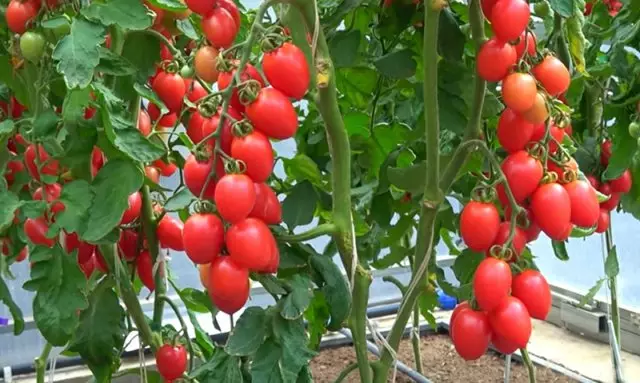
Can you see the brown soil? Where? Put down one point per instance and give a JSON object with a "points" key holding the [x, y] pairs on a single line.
{"points": [[441, 365]]}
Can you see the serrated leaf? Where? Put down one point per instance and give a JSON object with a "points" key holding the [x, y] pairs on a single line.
{"points": [[55, 22], [143, 51], [398, 64], [395, 256], [266, 363], [344, 46], [577, 41], [33, 209], [202, 338], [221, 368], [300, 204], [7, 128], [428, 301], [301, 168], [179, 200], [564, 8], [45, 124], [248, 334], [186, 27], [588, 297], [75, 101], [291, 335], [170, 5], [622, 151], [611, 265], [560, 250], [9, 202], [335, 289], [195, 300], [126, 14], [451, 40], [113, 64], [465, 265], [14, 309], [293, 305]]}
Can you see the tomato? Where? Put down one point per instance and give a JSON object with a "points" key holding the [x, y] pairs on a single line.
{"points": [[287, 70], [13, 168], [219, 28], [144, 266], [165, 53], [553, 75], [247, 242], [19, 14], [16, 107], [210, 125], [170, 233], [634, 129], [52, 194], [495, 59], [128, 244], [511, 321], [97, 159], [502, 345], [205, 63], [32, 46], [274, 262], [519, 239], [171, 361], [479, 224], [133, 211], [558, 134], [464, 305], [585, 208], [201, 7], [228, 285], [93, 263], [195, 177], [267, 207], [235, 197], [539, 131], [593, 181], [203, 271], [523, 174], [603, 221], [195, 91], [519, 90], [533, 231], [487, 7], [152, 174], [538, 113], [528, 39], [273, 114], [144, 123], [36, 230], [232, 8], [194, 127], [472, 334], [166, 169], [534, 292], [551, 205], [256, 152], [85, 250], [203, 237], [47, 166], [167, 120], [224, 80], [622, 184], [509, 18], [491, 283], [605, 152], [514, 132], [171, 90], [614, 198], [560, 170]]}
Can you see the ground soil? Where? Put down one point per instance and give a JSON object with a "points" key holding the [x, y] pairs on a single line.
{"points": [[441, 365]]}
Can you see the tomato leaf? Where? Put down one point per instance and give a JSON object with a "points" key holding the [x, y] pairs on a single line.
{"points": [[77, 54], [588, 297], [248, 334], [150, 95], [202, 337], [113, 64], [624, 147], [45, 124], [335, 289], [9, 202], [179, 200], [465, 265], [186, 27], [344, 46], [581, 232], [611, 265], [451, 40], [123, 13], [290, 334], [170, 5], [74, 103], [293, 305], [398, 64], [577, 41], [564, 8], [101, 333], [77, 197], [299, 206], [33, 209], [428, 301], [14, 309], [266, 366], [560, 250], [221, 368], [302, 168], [7, 128]]}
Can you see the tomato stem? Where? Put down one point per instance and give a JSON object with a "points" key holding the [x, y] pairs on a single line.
{"points": [[318, 231], [40, 363], [530, 367], [149, 226], [175, 309], [163, 39]]}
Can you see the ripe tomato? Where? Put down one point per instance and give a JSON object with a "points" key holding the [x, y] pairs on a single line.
{"points": [[560, 170], [152, 174], [204, 271], [13, 168], [32, 46], [93, 263], [593, 181], [533, 231], [528, 39], [585, 208], [553, 75], [605, 152], [472, 334], [16, 107], [36, 230], [539, 112], [224, 80], [456, 311], [195, 177], [273, 114], [210, 125], [487, 7], [171, 361], [533, 290], [509, 18], [274, 261], [248, 244], [502, 345], [232, 8], [551, 206], [144, 123], [523, 174], [256, 152], [614, 198], [205, 63], [201, 7], [195, 91], [479, 224], [287, 70], [514, 132], [167, 120], [235, 197], [491, 283], [166, 169], [604, 219], [228, 285], [51, 194], [128, 244], [220, 28], [203, 236], [19, 14], [171, 90], [511, 321], [194, 127], [48, 166], [85, 250], [622, 184], [170, 233], [144, 266], [495, 59], [267, 207], [517, 245], [133, 211], [558, 134], [519, 90]]}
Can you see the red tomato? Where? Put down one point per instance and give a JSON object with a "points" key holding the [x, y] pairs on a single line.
{"points": [[459, 307], [560, 170], [220, 28], [195, 177], [85, 250], [13, 167], [171, 90], [152, 174], [210, 125], [593, 181], [495, 59], [144, 266], [47, 166], [267, 207], [19, 14], [614, 198], [194, 127], [287, 70], [558, 134], [235, 197], [232, 8], [203, 270], [551, 205], [144, 123], [538, 132], [248, 244], [487, 7], [523, 174], [195, 91], [514, 132], [533, 231], [519, 239], [167, 120], [519, 90], [228, 285], [585, 208], [133, 211], [166, 169], [171, 361], [533, 290], [274, 262], [201, 7], [605, 152], [479, 224], [491, 283], [128, 244], [553, 75], [528, 39], [52, 194], [502, 345], [36, 230], [511, 321], [16, 107], [473, 334], [509, 18], [603, 221], [256, 152], [273, 114], [203, 236], [224, 80], [170, 233], [93, 263], [622, 184]]}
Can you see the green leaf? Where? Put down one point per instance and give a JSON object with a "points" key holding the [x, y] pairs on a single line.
{"points": [[195, 300], [411, 178], [33, 209], [248, 334], [77, 197], [202, 338], [465, 265], [564, 8], [428, 301], [357, 124], [147, 93], [74, 103], [9, 203], [299, 206], [291, 335], [112, 186], [395, 256], [123, 13], [100, 336], [179, 200], [113, 64], [398, 64], [624, 147], [77, 54], [170, 5], [577, 41], [588, 297], [45, 124], [611, 265], [293, 305], [344, 48], [581, 232], [335, 289], [186, 27], [451, 40], [302, 168], [266, 366], [7, 128], [14, 309], [221, 368], [560, 250]]}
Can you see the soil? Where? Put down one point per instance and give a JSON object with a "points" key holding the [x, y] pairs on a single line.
{"points": [[441, 365]]}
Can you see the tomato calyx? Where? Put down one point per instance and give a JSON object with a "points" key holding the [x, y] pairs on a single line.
{"points": [[204, 207], [241, 128], [209, 107], [273, 41], [248, 91]]}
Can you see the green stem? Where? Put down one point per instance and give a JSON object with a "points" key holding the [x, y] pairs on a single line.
{"points": [[162, 39], [415, 339], [149, 225], [561, 44], [529, 364], [41, 363], [184, 327], [344, 373], [613, 289], [318, 231]]}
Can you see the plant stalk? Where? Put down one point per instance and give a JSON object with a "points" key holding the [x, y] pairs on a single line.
{"points": [[318, 231], [41, 363], [415, 339], [149, 226], [184, 328], [613, 290], [531, 369]]}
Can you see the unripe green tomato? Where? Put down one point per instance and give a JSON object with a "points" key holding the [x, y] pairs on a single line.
{"points": [[186, 71], [634, 129], [541, 8], [32, 46]]}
